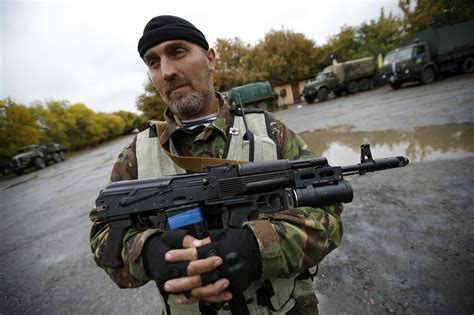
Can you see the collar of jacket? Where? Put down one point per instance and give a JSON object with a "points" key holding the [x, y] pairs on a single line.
{"points": [[173, 124]]}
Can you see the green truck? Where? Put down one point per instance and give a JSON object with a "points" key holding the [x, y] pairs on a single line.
{"points": [[254, 95], [425, 55], [341, 78]]}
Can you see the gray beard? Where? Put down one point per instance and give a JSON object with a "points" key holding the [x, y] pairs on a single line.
{"points": [[193, 104]]}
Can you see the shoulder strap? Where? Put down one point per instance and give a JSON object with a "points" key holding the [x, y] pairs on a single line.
{"points": [[191, 163]]}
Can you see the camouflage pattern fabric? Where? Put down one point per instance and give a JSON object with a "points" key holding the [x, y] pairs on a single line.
{"points": [[289, 241]]}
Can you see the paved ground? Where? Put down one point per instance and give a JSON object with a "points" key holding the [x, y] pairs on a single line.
{"points": [[408, 245]]}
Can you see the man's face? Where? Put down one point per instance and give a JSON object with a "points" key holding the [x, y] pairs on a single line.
{"points": [[182, 73]]}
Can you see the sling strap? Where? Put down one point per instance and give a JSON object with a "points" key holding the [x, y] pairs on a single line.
{"points": [[191, 163]]}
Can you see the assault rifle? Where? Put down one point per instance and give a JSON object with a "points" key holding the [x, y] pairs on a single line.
{"points": [[190, 201]]}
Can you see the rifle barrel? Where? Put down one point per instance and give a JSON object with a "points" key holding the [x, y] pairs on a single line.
{"points": [[375, 165]]}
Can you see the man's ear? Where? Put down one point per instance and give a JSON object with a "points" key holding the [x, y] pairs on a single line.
{"points": [[211, 59]]}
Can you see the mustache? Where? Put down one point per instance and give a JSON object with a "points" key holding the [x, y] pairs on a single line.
{"points": [[175, 83]]}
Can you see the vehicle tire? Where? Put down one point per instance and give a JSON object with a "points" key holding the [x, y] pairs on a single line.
{"points": [[62, 156], [309, 99], [39, 163], [338, 92], [428, 75], [364, 84], [56, 157], [371, 84], [353, 87], [19, 172], [396, 85], [468, 65], [323, 95]]}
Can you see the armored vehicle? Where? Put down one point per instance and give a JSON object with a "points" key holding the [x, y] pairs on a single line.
{"points": [[426, 55], [340, 78]]}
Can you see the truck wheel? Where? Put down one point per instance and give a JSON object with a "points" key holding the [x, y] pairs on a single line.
{"points": [[338, 93], [353, 87], [323, 95], [396, 85], [56, 157], [364, 84], [309, 99], [39, 163], [19, 172], [427, 76], [468, 65], [62, 156]]}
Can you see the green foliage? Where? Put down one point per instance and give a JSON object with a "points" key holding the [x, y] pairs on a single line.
{"points": [[52, 120], [131, 120], [429, 14], [286, 56], [383, 34], [17, 127], [232, 63], [150, 103], [76, 126]]}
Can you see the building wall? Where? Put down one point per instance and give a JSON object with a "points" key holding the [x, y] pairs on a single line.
{"points": [[289, 98]]}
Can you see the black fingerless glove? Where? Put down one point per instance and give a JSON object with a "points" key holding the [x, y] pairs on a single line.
{"points": [[242, 260], [154, 261]]}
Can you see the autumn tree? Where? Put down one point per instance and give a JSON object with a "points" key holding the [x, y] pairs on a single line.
{"points": [[368, 39], [130, 119], [285, 56], [383, 34], [52, 119], [113, 124], [234, 64], [429, 14], [17, 127], [151, 103], [85, 129]]}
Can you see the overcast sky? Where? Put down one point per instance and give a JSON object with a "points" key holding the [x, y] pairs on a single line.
{"points": [[85, 51]]}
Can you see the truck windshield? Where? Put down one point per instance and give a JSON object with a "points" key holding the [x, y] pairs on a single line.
{"points": [[400, 55], [26, 149], [321, 77]]}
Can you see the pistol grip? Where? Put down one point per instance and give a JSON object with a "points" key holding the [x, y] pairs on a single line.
{"points": [[112, 255]]}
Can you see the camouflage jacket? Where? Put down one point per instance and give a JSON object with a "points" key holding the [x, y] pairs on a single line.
{"points": [[289, 241]]}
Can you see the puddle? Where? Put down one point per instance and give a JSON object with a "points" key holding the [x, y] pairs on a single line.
{"points": [[341, 146]]}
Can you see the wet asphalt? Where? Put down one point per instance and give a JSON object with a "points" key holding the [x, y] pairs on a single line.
{"points": [[408, 247]]}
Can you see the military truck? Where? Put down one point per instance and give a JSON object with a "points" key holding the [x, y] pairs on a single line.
{"points": [[425, 55], [37, 156], [340, 78], [254, 95]]}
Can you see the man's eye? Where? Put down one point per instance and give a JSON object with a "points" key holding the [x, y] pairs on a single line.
{"points": [[179, 52], [153, 63]]}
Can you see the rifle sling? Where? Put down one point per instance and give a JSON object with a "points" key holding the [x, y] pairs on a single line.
{"points": [[191, 163]]}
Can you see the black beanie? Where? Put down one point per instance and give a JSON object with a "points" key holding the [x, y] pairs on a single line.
{"points": [[168, 27]]}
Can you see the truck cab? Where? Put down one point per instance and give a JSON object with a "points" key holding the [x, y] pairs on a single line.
{"points": [[409, 63], [37, 156], [319, 87]]}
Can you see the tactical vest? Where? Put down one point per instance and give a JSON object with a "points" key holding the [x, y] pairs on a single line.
{"points": [[275, 296]]}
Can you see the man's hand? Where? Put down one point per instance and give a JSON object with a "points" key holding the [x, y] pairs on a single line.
{"points": [[212, 292], [200, 269], [171, 259]]}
